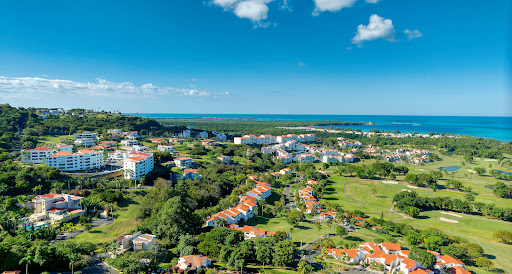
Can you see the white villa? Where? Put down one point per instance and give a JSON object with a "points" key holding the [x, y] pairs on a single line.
{"points": [[38, 155]]}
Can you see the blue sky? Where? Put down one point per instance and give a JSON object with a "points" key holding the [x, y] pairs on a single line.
{"points": [[411, 57]]}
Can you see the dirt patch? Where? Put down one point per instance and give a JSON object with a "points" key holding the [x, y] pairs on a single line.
{"points": [[449, 220], [451, 214], [413, 187], [390, 182]]}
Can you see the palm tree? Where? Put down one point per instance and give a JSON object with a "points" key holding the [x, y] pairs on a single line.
{"points": [[304, 267], [37, 188], [318, 226], [27, 260], [73, 258]]}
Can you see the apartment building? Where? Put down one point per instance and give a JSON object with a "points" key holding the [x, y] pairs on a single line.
{"points": [[138, 164], [224, 159], [38, 155], [220, 136], [191, 174], [86, 134], [85, 142], [82, 160], [203, 135]]}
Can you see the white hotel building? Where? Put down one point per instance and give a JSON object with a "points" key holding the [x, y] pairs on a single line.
{"points": [[38, 155], [87, 134], [138, 165], [82, 160], [269, 139]]}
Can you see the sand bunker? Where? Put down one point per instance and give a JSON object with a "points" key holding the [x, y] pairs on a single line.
{"points": [[490, 160], [390, 182], [403, 189], [421, 169], [451, 214], [472, 171], [449, 220], [414, 187]]}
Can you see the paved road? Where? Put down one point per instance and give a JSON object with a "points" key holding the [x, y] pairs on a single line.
{"points": [[99, 267], [289, 205]]}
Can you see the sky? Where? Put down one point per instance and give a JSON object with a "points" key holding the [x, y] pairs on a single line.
{"points": [[375, 57]]}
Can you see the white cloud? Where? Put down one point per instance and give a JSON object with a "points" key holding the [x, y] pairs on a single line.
{"points": [[285, 5], [378, 28], [372, 1], [255, 10], [331, 5], [411, 34], [28, 87], [225, 3]]}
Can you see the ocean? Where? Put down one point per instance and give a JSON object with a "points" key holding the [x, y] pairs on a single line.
{"points": [[499, 128]]}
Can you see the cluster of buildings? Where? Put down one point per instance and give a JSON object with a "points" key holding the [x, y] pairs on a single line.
{"points": [[396, 260], [348, 144], [53, 207], [247, 207], [371, 133], [306, 194], [413, 155], [269, 139]]}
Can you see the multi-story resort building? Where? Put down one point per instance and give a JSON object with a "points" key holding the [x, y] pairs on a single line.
{"points": [[138, 164], [85, 142], [220, 136], [38, 155], [82, 160], [87, 134]]}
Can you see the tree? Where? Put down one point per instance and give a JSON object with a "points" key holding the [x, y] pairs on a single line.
{"points": [[413, 211], [425, 258], [304, 267], [27, 260], [284, 253], [318, 226], [503, 235], [341, 231], [73, 258], [484, 262], [175, 219]]}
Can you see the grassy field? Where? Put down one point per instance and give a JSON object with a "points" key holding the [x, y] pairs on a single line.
{"points": [[51, 139], [125, 220]]}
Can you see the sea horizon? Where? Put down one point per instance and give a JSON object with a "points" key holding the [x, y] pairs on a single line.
{"points": [[494, 127]]}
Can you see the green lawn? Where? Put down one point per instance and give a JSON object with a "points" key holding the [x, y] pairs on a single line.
{"points": [[51, 139], [125, 220], [474, 229]]}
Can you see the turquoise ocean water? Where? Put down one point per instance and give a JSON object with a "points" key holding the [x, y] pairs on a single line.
{"points": [[499, 128]]}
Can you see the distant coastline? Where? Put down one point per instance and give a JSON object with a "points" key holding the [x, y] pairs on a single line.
{"points": [[499, 128]]}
